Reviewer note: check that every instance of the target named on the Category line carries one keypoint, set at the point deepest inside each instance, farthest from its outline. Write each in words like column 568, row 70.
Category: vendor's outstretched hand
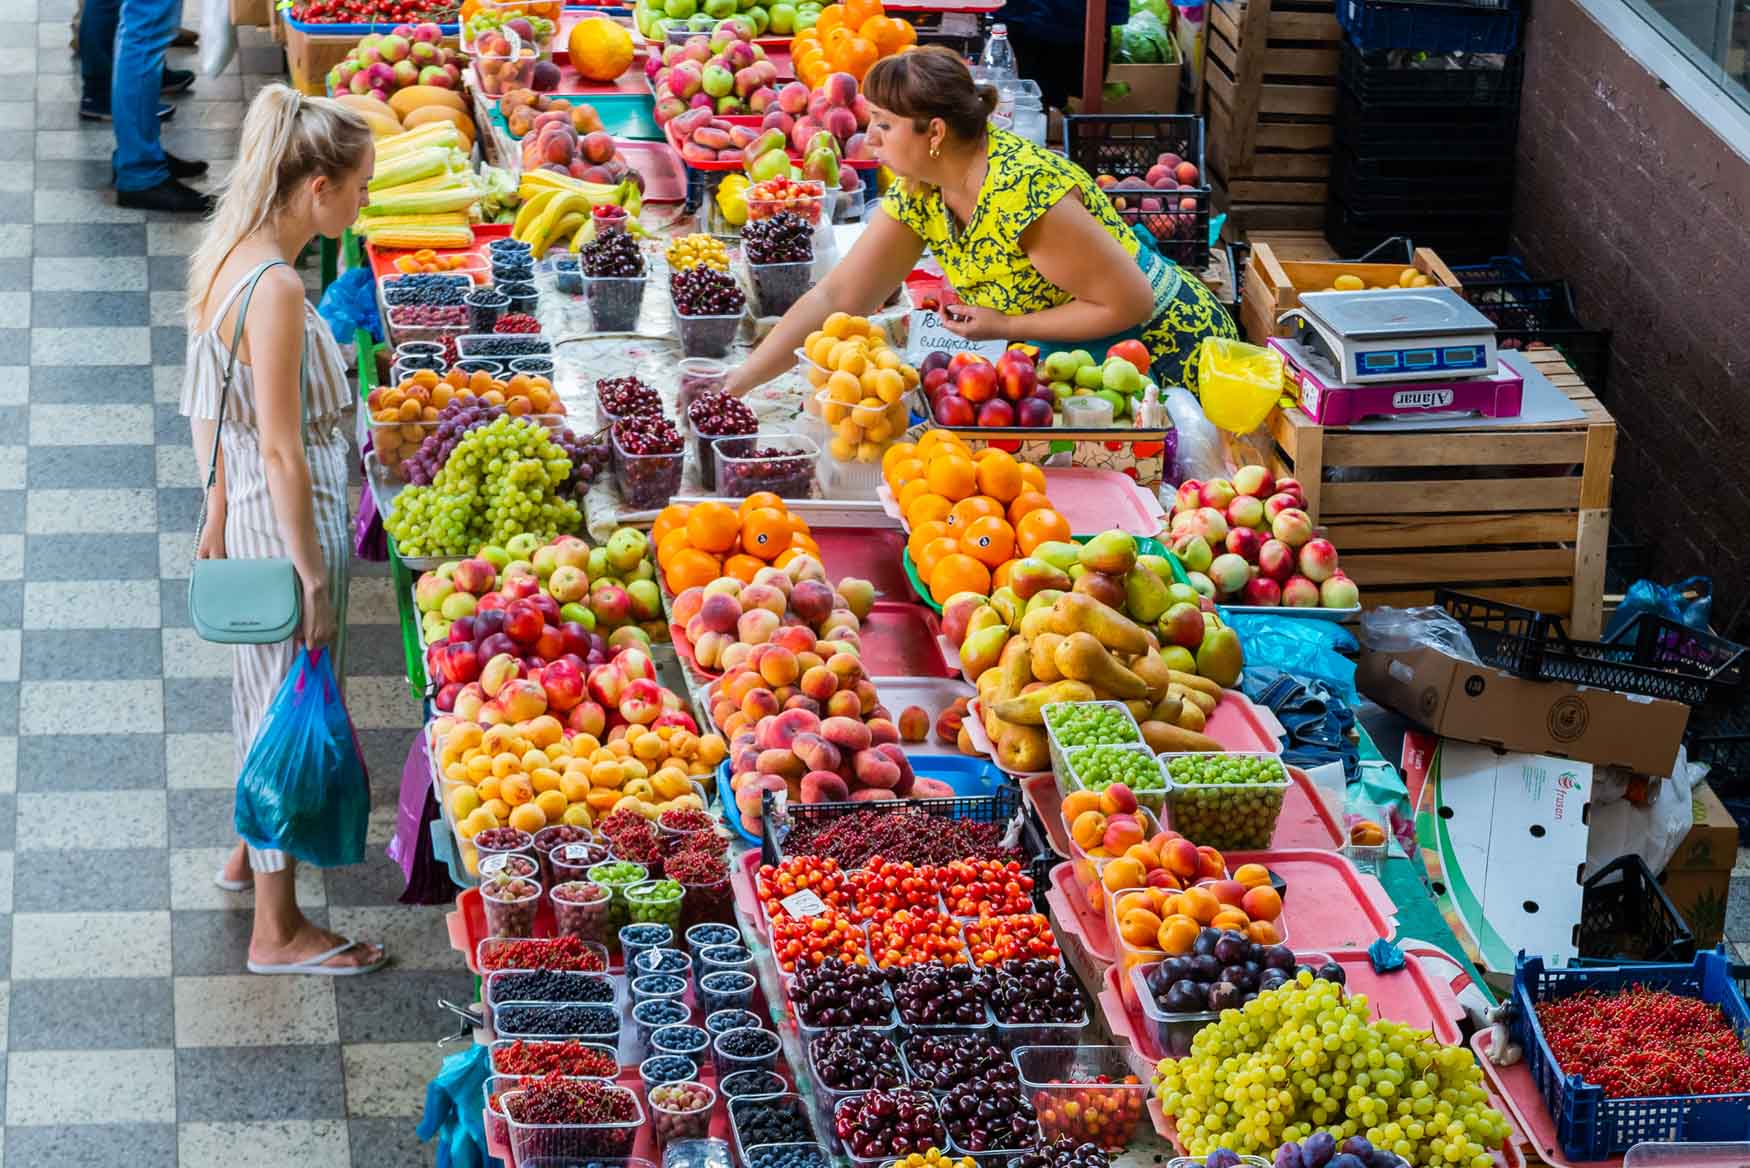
column 974, row 323
column 738, row 382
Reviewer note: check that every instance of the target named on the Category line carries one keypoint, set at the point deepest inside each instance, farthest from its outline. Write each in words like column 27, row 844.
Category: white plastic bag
column 1653, row 832
column 1199, row 455
column 218, row 37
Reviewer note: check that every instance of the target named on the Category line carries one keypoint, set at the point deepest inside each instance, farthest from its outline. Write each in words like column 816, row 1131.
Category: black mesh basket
column 1528, row 313
column 1626, row 916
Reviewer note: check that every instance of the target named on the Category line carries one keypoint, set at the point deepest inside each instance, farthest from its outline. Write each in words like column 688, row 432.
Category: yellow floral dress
column 988, row 268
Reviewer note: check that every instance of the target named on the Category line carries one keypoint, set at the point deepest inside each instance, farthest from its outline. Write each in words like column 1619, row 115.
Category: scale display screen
column 1456, row 357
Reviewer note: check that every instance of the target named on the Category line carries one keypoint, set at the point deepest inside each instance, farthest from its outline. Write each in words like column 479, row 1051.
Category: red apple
column 1015, row 374
column 521, row 587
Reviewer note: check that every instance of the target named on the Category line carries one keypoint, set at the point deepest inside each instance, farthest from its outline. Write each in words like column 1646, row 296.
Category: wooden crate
column 310, row 56
column 1273, row 286
column 1516, row 512
column 1270, row 88
column 252, row 13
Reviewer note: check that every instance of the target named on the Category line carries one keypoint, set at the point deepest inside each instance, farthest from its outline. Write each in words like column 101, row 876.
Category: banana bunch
column 556, row 206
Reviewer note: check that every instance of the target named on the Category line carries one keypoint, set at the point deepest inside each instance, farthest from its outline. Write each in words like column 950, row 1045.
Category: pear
column 1112, row 552
column 1219, row 657
column 1060, row 554
column 1032, row 575
column 1145, row 596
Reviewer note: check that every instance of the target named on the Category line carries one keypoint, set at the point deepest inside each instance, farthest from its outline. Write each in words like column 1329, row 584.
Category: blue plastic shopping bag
column 304, row 789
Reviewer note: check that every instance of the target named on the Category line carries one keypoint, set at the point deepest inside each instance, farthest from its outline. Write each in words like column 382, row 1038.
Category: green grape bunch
column 502, row 479
column 1306, row 1058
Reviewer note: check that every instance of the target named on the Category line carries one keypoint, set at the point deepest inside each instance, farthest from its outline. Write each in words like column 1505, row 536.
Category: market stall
column 891, row 766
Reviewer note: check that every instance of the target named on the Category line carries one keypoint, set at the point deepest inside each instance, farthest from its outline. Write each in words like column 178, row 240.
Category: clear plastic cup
column 754, row 1084
column 654, row 1073
column 724, row 1021
column 691, row 1041
column 650, row 1016
column 661, row 960
column 523, row 297
column 710, row 935
column 659, row 987
column 656, row 902
column 766, row 1049
column 560, row 834
column 700, row 375
column 510, row 865
column 709, row 901
column 636, row 939
column 707, row 336
column 734, row 956
column 616, row 882
column 572, row 861
column 788, row 474
column 614, row 301
column 510, row 907
column 485, row 306
column 727, row 989
column 581, row 909
column 686, row 1120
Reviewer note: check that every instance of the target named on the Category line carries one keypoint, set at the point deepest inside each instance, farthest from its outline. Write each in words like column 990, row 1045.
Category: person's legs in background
column 97, row 25
column 144, row 174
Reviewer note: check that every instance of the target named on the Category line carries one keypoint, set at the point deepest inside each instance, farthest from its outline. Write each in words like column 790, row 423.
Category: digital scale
column 1395, row 335
column 1331, row 403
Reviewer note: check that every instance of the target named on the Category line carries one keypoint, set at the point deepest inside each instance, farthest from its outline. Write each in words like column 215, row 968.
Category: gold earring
column 935, row 150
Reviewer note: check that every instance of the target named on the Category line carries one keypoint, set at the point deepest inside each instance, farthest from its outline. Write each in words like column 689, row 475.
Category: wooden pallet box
column 1273, row 285
column 1270, row 88
column 1518, row 513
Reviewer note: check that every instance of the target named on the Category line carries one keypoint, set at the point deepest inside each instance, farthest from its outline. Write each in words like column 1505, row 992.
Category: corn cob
column 418, row 237
column 408, row 168
column 398, row 201
column 430, row 134
column 384, row 222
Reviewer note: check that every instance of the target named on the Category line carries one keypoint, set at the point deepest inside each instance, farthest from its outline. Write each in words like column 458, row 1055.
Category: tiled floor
column 137, row 1037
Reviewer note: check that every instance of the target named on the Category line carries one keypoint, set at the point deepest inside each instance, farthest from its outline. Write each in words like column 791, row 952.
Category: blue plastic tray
column 966, row 775
column 318, row 28
column 1592, row 1127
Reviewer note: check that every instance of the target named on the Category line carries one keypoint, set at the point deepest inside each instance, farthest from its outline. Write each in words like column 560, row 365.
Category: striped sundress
column 251, row 526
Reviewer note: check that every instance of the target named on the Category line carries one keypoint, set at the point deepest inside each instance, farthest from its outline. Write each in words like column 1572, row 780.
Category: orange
column 1033, row 476
column 742, row 566
column 1027, row 500
column 977, row 507
column 673, row 541
column 999, row 476
column 896, row 452
column 958, row 573
column 909, row 491
column 933, row 440
column 858, row 12
column 927, row 507
column 1176, row 935
column 933, row 553
column 990, row 541
column 765, row 533
column 1000, row 577
column 885, row 32
column 857, row 55
column 952, row 477
column 902, row 472
column 712, row 527
column 1199, row 904
column 691, row 567
column 759, row 499
column 923, row 533
column 1041, row 526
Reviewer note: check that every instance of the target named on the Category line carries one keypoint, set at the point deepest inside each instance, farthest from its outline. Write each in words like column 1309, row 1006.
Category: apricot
column 1087, row 829
column 1264, row 933
column 1123, row 872
column 1122, row 832
column 1176, row 935
column 1117, row 799
column 1231, row 918
column 1077, row 802
column 1144, row 855
column 1180, row 857
column 1210, row 864
column 1252, row 875
column 1262, row 904
column 1228, row 892
column 1199, row 904
column 1139, row 927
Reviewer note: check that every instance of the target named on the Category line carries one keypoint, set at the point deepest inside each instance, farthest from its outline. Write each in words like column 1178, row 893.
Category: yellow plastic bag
column 1237, row 383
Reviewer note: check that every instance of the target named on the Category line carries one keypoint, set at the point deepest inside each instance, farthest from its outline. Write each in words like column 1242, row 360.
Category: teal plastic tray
column 624, row 115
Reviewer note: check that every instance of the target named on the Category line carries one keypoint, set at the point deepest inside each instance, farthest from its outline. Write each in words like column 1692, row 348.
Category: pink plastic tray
column 1238, row 725
column 466, row 924
column 741, row 882
column 665, row 179
column 870, row 554
column 899, row 640
column 1330, row 903
column 1515, row 1093
column 1069, row 909
column 1090, row 499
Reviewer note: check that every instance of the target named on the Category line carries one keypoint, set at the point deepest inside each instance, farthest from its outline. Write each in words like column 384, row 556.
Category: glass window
column 1713, row 34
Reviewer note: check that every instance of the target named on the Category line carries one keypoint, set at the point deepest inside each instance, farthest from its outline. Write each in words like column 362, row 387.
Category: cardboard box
column 1154, row 89
column 1477, row 703
column 252, row 13
column 1699, row 876
column 1502, row 837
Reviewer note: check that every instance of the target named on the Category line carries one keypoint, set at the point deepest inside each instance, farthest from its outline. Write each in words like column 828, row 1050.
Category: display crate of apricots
column 859, row 398
column 402, row 418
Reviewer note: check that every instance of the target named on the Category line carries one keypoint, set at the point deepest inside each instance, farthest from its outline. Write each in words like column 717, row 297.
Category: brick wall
column 1624, row 193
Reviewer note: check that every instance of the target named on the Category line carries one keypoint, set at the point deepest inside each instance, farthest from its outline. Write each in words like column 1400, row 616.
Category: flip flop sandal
column 232, row 885
column 315, row 966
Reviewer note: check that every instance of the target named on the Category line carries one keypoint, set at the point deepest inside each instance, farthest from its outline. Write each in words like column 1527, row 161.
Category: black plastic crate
column 1402, row 78
column 1125, row 146
column 1454, row 234
column 1529, row 313
column 1652, row 655
column 1482, row 135
column 1502, row 267
column 1436, row 26
column 1003, row 806
column 1626, row 916
column 1728, row 759
column 1385, row 186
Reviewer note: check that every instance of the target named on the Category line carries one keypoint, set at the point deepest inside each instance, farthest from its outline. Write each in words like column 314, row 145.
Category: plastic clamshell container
column 778, row 286
column 789, row 474
column 889, row 1027
column 727, row 1063
column 1088, row 869
column 751, row 1085
column 1170, row 1033
column 647, row 481
column 515, row 345
column 707, row 448
column 1015, row 1035
column 567, row 273
column 1056, row 709
column 1155, row 798
column 389, row 287
column 584, row 1011
column 489, row 947
column 706, row 336
column 499, row 73
column 614, row 301
column 1051, row 1074
column 402, row 328
column 498, row 1046
column 810, row 199
column 831, row 1095
column 529, row 1140
column 886, row 1158
column 787, row 1101
column 492, row 993
column 811, row 1155
column 1201, row 810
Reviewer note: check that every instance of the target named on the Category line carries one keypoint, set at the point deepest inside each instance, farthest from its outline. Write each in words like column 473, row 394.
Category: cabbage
column 1143, row 40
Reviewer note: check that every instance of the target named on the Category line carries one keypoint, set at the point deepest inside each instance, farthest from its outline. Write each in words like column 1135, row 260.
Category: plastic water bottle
column 999, row 56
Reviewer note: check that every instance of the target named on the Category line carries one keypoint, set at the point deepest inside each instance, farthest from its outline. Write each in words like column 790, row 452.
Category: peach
column 719, row 613
column 882, row 731
column 871, row 795
column 846, row 665
column 816, row 753
column 866, row 695
column 858, row 595
column 778, row 666
column 1318, row 560
column 875, row 769
column 687, row 605
column 736, row 723
column 931, row 789
column 824, row 787
column 1210, row 865
column 895, row 753
column 1262, row 903
column 1339, row 592
column 724, row 586
column 783, row 730
column 1118, row 798
column 796, row 639
column 721, row 709
column 734, row 655
column 1180, row 858
column 708, row 650
column 811, row 600
column 1292, row 526
column 1228, row 891
column 847, row 733
column 756, row 626
column 763, row 596
column 806, row 659
column 499, row 672
column 844, row 704
column 819, row 683
column 772, row 577
column 738, row 682
column 957, row 615
column 781, row 762
column 1088, row 829
column 914, row 724
column 842, row 624
column 799, row 701
column 1122, row 832
column 760, row 703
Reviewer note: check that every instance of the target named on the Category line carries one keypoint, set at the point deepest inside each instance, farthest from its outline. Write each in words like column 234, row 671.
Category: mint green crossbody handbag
column 243, row 602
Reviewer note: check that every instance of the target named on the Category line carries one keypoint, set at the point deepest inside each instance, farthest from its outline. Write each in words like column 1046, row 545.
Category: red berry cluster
column 517, row 322
column 686, row 819
column 904, row 835
column 647, row 434
column 1648, row 1043
column 543, row 953
column 556, row 1099
column 693, row 867
column 570, row 1057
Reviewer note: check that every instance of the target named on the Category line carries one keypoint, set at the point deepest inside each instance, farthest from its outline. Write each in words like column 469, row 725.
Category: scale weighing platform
column 1332, row 403
column 1395, row 335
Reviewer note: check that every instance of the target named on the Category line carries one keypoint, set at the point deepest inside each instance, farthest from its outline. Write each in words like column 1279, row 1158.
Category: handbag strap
column 250, row 281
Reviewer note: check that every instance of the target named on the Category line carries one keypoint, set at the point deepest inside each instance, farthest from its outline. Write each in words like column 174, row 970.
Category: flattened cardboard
column 1476, row 703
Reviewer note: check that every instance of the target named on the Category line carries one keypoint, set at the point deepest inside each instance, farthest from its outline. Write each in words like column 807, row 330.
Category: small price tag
column 927, row 334
column 494, row 864
column 803, row 904
column 577, row 853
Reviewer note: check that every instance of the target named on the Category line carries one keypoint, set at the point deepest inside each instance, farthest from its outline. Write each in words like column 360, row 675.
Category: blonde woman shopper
column 281, row 491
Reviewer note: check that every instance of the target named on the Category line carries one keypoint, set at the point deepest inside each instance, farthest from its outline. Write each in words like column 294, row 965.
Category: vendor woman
column 1034, row 250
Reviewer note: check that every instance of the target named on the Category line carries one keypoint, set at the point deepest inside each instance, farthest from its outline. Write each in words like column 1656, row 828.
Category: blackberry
column 747, row 1042
column 781, row 239
column 612, row 253
column 551, row 985
column 509, row 346
column 434, row 289
column 768, row 1123
column 557, row 1021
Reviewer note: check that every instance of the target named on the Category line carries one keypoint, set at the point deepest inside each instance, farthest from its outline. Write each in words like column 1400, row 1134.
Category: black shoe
column 179, row 167
column 177, row 80
column 186, row 38
column 92, row 111
column 168, row 195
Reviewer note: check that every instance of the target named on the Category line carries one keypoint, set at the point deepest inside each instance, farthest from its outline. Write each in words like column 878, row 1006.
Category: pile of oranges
column 862, row 383
column 969, row 516
column 697, row 544
column 849, row 38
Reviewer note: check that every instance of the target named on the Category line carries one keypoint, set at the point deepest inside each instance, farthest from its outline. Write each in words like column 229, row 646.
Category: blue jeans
column 144, row 31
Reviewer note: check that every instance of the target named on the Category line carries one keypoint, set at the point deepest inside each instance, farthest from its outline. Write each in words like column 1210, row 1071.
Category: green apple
column 806, row 18
column 1059, row 366
column 1083, row 357
column 762, row 19
column 1062, row 390
column 1120, row 403
column 494, row 555
column 578, row 612
column 783, row 19
column 1120, row 376
column 678, row 9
